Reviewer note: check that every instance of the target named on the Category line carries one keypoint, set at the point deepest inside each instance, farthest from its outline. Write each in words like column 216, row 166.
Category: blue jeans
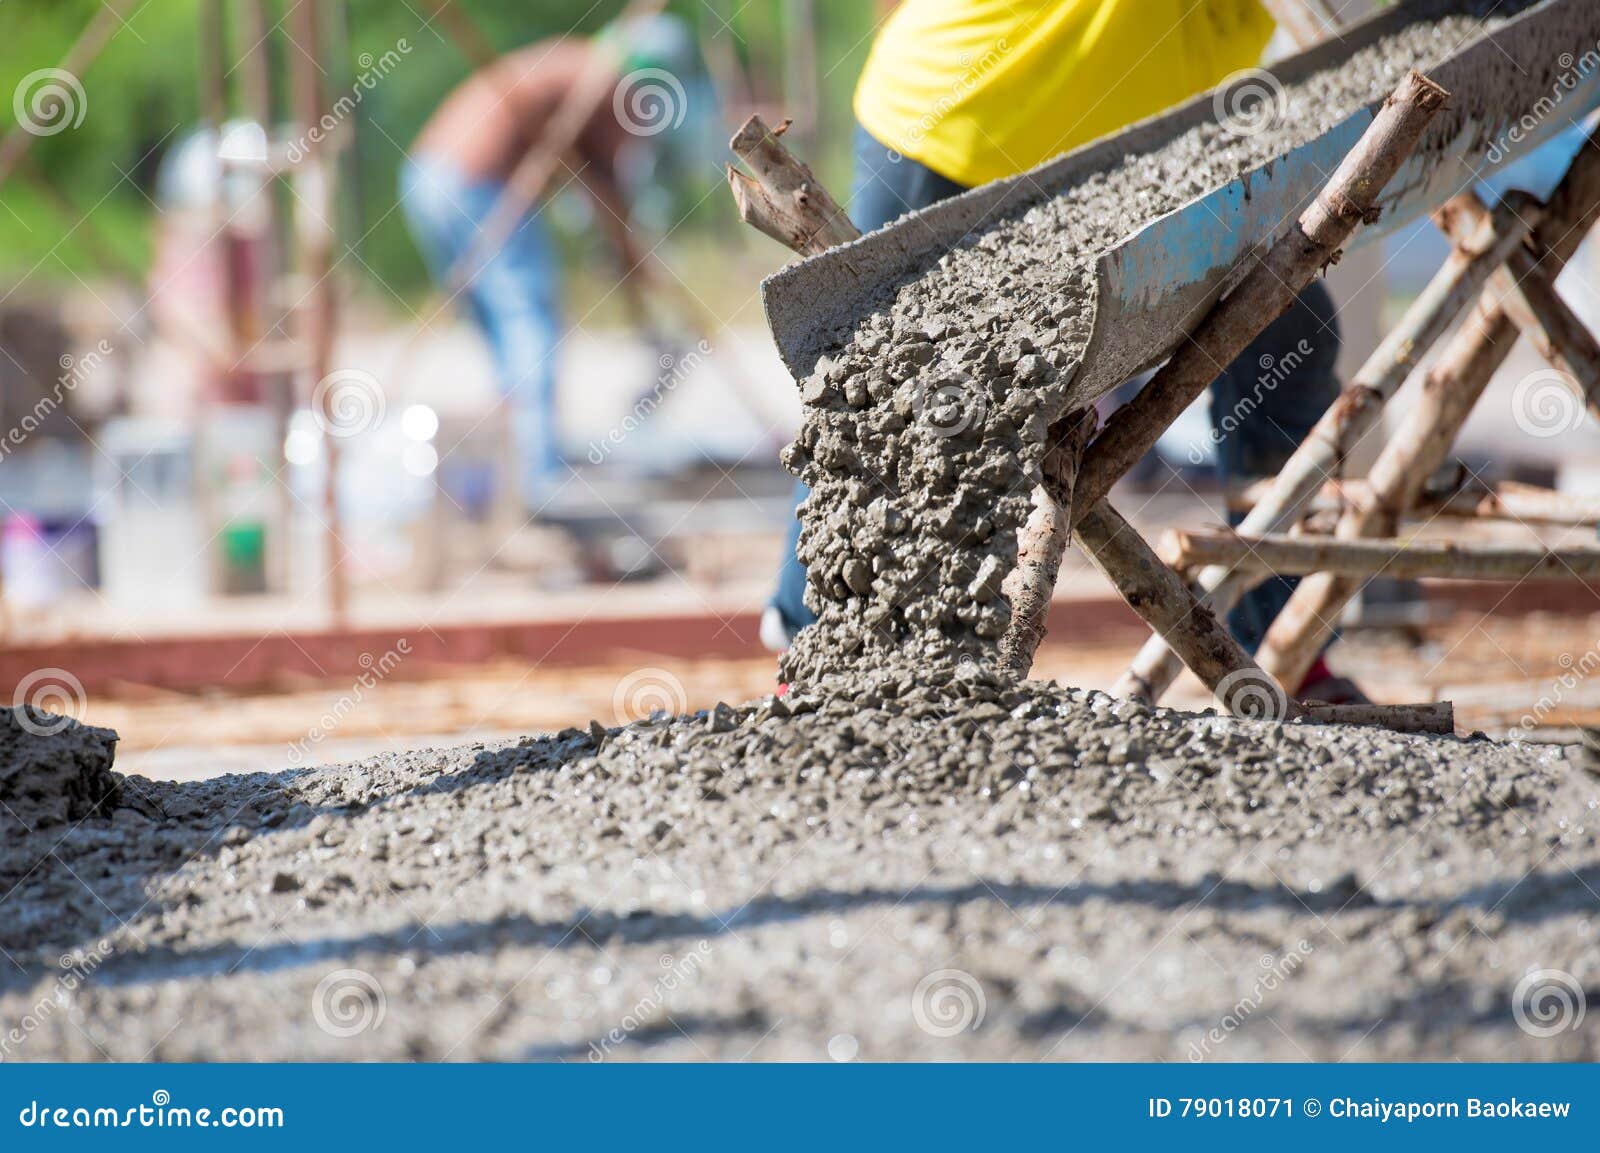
column 513, row 299
column 1262, row 406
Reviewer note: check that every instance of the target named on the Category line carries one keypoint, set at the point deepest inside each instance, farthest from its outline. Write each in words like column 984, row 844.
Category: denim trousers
column 514, row 300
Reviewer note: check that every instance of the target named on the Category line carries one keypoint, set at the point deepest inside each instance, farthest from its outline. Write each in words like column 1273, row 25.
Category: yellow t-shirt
column 981, row 89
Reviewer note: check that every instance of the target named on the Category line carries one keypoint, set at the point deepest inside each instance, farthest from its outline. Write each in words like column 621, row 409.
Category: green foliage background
column 143, row 94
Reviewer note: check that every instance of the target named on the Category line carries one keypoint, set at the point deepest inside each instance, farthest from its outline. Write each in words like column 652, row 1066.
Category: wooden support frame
column 1450, row 391
column 1165, row 602
column 1265, row 294
column 1480, row 250
column 1528, row 294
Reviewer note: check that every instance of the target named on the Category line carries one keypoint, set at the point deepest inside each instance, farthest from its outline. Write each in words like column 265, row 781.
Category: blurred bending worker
column 457, row 171
column 957, row 93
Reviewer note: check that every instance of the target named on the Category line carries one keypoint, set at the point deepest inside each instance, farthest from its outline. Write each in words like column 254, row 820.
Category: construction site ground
column 1231, row 899
column 1497, row 670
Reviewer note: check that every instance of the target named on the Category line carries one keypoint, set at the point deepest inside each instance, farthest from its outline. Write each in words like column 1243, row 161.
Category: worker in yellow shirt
column 961, row 92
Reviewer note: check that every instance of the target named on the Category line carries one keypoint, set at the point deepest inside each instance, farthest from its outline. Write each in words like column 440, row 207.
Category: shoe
column 775, row 634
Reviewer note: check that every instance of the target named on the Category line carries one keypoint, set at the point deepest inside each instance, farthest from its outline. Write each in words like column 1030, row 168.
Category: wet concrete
column 1110, row 881
column 52, row 771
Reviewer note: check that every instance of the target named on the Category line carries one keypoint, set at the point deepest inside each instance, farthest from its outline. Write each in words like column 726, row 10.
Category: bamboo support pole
column 1450, row 390
column 1165, row 602
column 1506, row 501
column 1436, row 717
column 1262, row 555
column 1528, row 294
column 314, row 216
column 1356, row 412
column 83, row 52
column 801, row 74
column 1042, row 542
column 469, row 39
column 780, row 197
column 1268, row 290
column 1535, row 505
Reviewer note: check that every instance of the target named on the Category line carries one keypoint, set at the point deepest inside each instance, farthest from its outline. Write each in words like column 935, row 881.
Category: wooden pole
column 1165, row 602
column 782, row 198
column 1268, row 290
column 1506, row 501
column 800, row 71
column 468, row 37
column 1437, row 717
column 314, row 214
column 1529, row 295
column 1265, row 554
column 83, row 52
column 729, row 80
column 1450, row 390
column 1042, row 542
column 1357, row 411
